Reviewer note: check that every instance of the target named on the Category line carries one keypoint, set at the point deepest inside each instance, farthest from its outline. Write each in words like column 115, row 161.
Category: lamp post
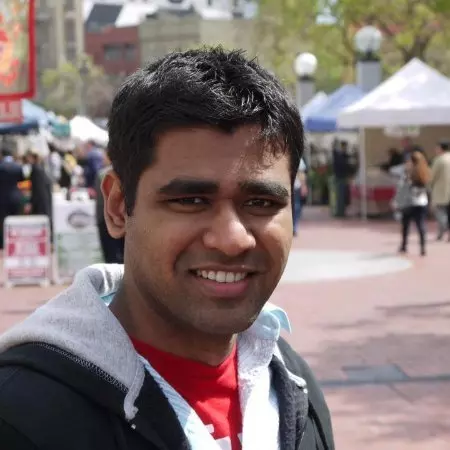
column 305, row 66
column 368, row 66
column 83, row 71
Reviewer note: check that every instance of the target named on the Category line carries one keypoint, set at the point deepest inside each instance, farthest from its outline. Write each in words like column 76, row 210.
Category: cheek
column 277, row 238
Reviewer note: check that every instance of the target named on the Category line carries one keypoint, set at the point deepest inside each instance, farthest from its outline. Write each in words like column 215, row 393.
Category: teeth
column 222, row 277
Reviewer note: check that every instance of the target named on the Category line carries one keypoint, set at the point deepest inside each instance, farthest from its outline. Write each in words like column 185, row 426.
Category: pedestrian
column 300, row 194
column 411, row 199
column 440, row 188
column 11, row 198
column 178, row 348
column 341, row 170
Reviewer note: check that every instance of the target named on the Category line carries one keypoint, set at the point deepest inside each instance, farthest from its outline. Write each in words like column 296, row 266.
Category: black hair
column 208, row 86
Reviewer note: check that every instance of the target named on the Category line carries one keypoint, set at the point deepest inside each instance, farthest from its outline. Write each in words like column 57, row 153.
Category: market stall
column 415, row 96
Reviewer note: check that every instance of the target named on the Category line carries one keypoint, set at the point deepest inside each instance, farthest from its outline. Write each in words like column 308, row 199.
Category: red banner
column 17, row 49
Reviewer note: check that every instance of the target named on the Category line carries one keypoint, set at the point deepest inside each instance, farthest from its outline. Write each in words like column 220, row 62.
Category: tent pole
column 363, row 174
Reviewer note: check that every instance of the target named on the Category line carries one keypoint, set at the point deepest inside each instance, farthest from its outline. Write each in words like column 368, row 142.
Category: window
column 129, row 52
column 112, row 52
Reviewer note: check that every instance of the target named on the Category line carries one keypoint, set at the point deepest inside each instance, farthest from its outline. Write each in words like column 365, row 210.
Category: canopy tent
column 33, row 117
column 313, row 105
column 324, row 120
column 415, row 95
column 84, row 130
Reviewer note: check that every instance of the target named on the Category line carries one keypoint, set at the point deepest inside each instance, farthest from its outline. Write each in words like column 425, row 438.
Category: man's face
column 211, row 229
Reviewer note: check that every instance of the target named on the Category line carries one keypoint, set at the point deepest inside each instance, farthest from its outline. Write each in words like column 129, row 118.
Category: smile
column 221, row 276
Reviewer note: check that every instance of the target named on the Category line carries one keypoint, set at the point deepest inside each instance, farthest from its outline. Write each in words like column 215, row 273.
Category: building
column 59, row 34
column 122, row 35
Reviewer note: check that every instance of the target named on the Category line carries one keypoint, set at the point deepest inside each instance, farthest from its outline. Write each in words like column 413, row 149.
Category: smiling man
column 178, row 348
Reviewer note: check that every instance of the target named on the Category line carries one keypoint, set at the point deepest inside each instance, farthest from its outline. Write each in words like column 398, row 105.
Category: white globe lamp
column 305, row 65
column 368, row 40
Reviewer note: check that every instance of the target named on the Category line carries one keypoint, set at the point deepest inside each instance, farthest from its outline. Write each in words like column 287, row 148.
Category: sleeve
column 12, row 439
column 435, row 169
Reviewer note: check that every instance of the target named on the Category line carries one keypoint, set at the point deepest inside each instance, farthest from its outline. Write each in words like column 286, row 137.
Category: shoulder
column 318, row 409
column 37, row 409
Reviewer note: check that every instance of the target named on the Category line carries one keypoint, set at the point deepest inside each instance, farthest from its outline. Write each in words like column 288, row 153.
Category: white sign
column 27, row 254
column 76, row 239
column 401, row 132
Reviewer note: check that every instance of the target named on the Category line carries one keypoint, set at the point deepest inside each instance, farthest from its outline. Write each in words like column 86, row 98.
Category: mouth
column 222, row 284
column 221, row 276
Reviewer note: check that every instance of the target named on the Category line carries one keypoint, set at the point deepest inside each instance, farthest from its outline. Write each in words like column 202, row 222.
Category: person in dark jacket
column 41, row 186
column 178, row 348
column 11, row 173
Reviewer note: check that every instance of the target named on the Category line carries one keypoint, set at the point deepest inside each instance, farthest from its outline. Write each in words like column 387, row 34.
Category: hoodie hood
column 79, row 323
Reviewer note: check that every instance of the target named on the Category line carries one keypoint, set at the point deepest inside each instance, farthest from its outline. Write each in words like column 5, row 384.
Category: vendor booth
column 416, row 96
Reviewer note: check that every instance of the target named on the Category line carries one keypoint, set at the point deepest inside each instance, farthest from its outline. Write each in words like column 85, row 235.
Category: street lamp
column 367, row 43
column 305, row 66
column 83, row 71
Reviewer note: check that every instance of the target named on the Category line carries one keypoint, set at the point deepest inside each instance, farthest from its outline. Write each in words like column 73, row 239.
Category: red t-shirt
column 212, row 392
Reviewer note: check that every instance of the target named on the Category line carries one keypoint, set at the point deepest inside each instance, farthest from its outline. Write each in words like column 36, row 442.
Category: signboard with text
column 27, row 250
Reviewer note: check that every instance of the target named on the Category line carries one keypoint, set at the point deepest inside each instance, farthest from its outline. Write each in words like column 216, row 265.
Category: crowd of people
column 63, row 171
column 424, row 189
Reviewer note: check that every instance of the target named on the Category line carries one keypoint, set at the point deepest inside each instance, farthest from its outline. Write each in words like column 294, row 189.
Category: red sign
column 27, row 250
column 17, row 49
column 11, row 111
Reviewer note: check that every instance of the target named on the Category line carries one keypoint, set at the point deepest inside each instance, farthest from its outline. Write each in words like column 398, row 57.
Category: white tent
column 84, row 130
column 415, row 95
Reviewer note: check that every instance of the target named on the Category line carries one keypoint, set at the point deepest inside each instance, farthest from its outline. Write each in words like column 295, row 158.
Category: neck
column 143, row 322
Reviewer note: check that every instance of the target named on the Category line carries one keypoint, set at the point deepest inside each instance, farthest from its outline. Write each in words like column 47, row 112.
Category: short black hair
column 208, row 86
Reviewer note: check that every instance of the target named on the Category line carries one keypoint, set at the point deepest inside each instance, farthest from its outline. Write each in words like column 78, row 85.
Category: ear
column 114, row 205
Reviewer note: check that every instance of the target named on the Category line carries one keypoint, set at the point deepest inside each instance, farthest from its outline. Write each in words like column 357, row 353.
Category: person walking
column 300, row 194
column 178, row 348
column 440, row 188
column 411, row 199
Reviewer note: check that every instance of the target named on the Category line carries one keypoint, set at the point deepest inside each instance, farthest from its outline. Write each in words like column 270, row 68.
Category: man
column 300, row 194
column 440, row 187
column 11, row 173
column 205, row 146
column 341, row 173
column 93, row 163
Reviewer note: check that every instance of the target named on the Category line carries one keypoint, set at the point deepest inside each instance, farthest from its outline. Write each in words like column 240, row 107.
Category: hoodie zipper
column 91, row 367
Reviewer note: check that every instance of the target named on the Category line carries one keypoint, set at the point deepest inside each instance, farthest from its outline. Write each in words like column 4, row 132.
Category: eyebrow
column 268, row 188
column 186, row 186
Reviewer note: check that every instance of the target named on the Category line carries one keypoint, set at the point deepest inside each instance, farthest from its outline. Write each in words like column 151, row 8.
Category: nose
column 228, row 234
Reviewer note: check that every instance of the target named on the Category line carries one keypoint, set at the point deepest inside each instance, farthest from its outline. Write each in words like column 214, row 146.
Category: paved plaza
column 373, row 325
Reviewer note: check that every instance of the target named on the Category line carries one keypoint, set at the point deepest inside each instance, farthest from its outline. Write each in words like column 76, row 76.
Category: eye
column 188, row 204
column 261, row 203
column 188, row 201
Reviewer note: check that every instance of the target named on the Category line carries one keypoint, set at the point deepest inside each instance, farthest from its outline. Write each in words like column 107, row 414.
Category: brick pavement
column 397, row 321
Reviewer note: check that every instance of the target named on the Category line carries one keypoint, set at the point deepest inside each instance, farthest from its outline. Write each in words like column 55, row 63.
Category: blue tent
column 324, row 120
column 33, row 117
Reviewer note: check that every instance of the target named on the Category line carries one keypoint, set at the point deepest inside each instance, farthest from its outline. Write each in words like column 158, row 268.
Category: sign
column 76, row 239
column 27, row 250
column 11, row 111
column 17, row 49
column 401, row 132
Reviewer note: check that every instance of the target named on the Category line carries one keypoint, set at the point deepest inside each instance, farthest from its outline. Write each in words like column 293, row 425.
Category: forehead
column 212, row 154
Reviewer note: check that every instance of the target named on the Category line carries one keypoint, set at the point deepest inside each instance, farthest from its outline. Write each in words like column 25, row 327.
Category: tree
column 67, row 89
column 411, row 28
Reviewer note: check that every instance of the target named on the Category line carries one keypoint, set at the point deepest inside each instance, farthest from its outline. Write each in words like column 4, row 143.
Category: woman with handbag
column 411, row 199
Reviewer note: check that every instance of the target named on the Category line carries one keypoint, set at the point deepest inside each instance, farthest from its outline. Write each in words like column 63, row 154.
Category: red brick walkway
column 397, row 322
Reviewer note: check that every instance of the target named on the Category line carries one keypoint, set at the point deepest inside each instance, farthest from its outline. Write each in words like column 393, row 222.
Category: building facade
column 59, row 34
